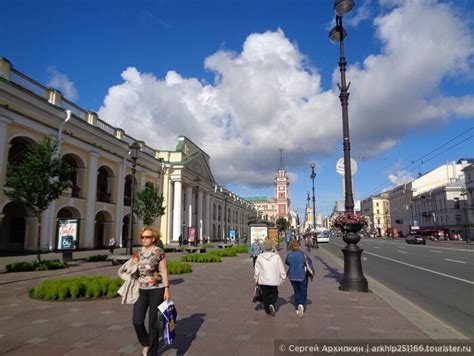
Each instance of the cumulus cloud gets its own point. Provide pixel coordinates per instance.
(62, 83)
(268, 96)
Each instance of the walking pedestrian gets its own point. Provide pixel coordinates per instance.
(269, 274)
(255, 249)
(147, 269)
(112, 245)
(288, 238)
(297, 276)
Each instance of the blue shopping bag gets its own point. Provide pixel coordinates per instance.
(168, 310)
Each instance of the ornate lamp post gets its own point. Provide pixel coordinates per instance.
(308, 199)
(134, 149)
(353, 279)
(312, 176)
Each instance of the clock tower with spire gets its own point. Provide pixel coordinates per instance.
(282, 194)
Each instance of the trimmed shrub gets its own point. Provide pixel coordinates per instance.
(97, 258)
(76, 287)
(35, 266)
(176, 267)
(227, 252)
(207, 246)
(200, 258)
(241, 249)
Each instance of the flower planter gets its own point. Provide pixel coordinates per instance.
(352, 227)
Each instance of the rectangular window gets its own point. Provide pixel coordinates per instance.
(456, 203)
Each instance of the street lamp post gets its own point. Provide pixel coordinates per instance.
(134, 148)
(353, 278)
(312, 176)
(308, 199)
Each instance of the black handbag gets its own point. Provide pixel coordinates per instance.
(257, 294)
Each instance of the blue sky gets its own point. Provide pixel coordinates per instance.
(244, 78)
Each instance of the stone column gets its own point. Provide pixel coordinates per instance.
(200, 225)
(119, 204)
(4, 122)
(31, 232)
(141, 187)
(91, 199)
(189, 207)
(177, 210)
(48, 226)
(207, 215)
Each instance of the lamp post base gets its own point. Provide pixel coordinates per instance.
(353, 279)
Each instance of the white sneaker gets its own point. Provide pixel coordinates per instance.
(272, 310)
(300, 310)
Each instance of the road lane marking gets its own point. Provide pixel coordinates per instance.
(376, 247)
(441, 248)
(418, 267)
(435, 251)
(447, 259)
(402, 251)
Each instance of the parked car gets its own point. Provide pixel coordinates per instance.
(415, 240)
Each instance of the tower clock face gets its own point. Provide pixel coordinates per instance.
(282, 188)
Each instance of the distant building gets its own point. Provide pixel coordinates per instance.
(279, 206)
(437, 201)
(469, 181)
(377, 210)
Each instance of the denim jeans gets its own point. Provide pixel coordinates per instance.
(300, 289)
(148, 299)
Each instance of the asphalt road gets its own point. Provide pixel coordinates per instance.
(437, 277)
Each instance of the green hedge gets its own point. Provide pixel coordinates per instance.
(207, 246)
(227, 252)
(35, 266)
(206, 257)
(72, 288)
(97, 258)
(176, 267)
(241, 248)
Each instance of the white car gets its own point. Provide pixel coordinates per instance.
(323, 236)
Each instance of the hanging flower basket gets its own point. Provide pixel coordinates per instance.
(349, 222)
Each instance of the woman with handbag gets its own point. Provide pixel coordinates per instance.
(296, 260)
(148, 271)
(269, 274)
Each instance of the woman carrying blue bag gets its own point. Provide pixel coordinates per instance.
(298, 275)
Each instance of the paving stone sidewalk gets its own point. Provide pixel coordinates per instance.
(216, 315)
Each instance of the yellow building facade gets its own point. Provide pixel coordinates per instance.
(102, 182)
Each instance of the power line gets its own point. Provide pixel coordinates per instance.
(407, 168)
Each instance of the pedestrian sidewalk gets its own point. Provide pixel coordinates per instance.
(215, 314)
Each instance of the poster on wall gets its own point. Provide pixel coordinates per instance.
(232, 234)
(191, 235)
(68, 232)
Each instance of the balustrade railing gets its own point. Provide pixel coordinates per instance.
(28, 83)
(76, 110)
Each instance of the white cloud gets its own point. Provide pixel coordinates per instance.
(267, 96)
(363, 13)
(62, 83)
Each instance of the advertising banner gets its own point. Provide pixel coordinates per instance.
(258, 232)
(68, 233)
(232, 234)
(191, 234)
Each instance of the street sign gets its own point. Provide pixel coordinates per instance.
(340, 167)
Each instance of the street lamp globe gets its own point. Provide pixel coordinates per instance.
(335, 34)
(342, 7)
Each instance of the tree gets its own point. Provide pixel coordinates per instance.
(38, 180)
(282, 224)
(149, 204)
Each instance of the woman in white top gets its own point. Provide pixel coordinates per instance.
(269, 274)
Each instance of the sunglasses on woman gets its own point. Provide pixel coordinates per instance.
(146, 237)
